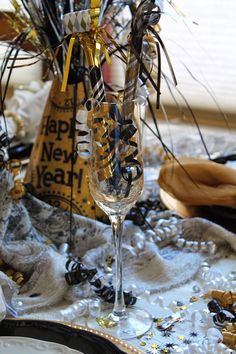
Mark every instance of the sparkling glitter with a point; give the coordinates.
(158, 320)
(193, 299)
(181, 308)
(106, 322)
(181, 337)
(149, 334)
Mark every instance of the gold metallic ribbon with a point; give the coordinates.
(93, 43)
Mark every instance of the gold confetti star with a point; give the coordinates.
(154, 346)
(193, 299)
(181, 337)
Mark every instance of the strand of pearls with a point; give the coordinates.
(165, 227)
(212, 279)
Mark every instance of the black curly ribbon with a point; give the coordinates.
(221, 314)
(141, 209)
(77, 273)
(4, 141)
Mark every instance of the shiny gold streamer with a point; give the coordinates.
(93, 43)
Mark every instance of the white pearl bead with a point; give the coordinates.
(195, 246)
(232, 275)
(158, 239)
(167, 231)
(213, 284)
(150, 233)
(160, 233)
(211, 247)
(221, 348)
(180, 242)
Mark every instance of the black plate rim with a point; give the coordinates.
(83, 330)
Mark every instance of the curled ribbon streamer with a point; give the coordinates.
(93, 43)
(93, 38)
(83, 137)
(144, 17)
(118, 148)
(77, 273)
(67, 65)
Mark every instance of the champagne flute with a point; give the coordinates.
(116, 182)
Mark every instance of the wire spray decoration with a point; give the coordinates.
(82, 26)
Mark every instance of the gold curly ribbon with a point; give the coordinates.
(13, 274)
(93, 42)
(18, 191)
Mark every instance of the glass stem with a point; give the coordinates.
(117, 227)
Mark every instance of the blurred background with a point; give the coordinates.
(202, 48)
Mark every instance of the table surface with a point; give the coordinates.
(193, 329)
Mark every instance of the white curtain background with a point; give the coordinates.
(204, 42)
(5, 5)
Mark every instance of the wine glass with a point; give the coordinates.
(116, 182)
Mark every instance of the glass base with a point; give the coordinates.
(137, 323)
